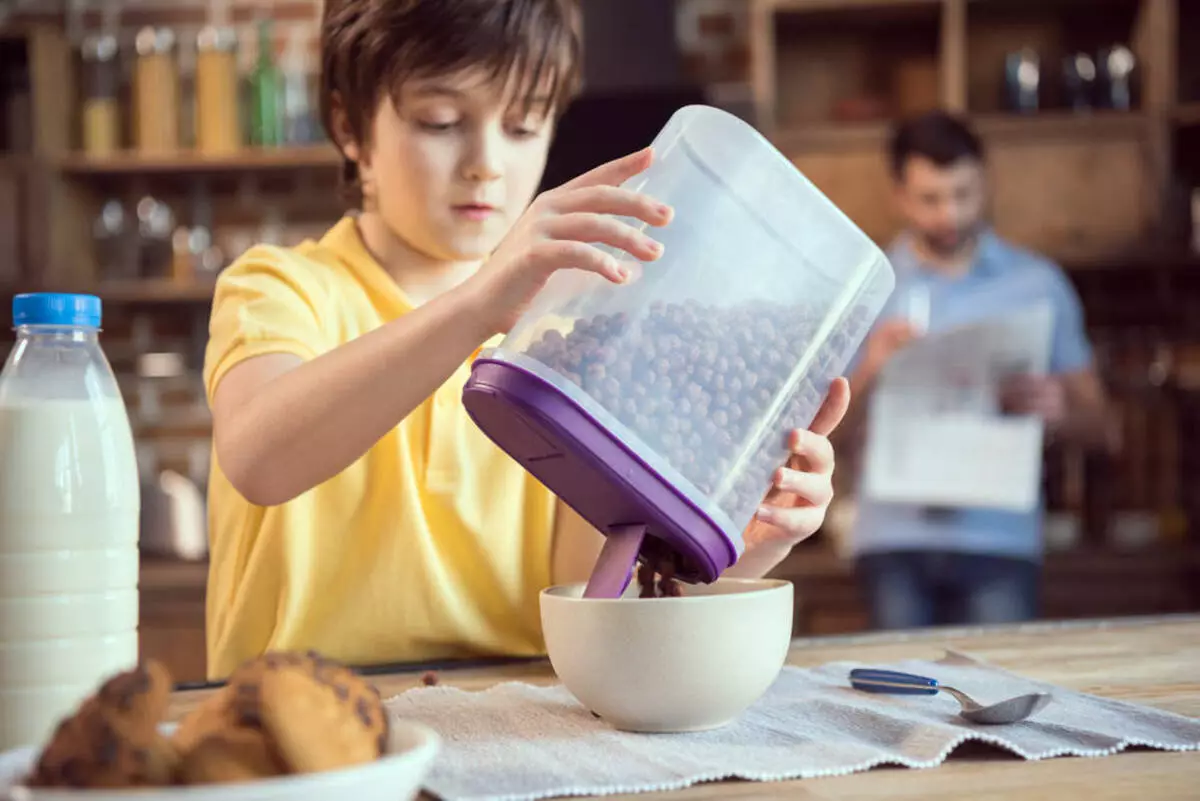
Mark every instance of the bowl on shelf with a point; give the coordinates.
(666, 664)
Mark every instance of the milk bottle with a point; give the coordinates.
(68, 518)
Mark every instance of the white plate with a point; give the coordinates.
(397, 776)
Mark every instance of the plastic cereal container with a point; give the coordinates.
(659, 409)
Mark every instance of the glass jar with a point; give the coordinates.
(156, 226)
(218, 129)
(68, 517)
(156, 92)
(110, 237)
(100, 115)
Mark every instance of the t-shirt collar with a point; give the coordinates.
(345, 241)
(986, 261)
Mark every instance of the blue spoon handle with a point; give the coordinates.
(891, 681)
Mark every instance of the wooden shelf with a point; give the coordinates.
(154, 291)
(1187, 114)
(150, 290)
(827, 137)
(1046, 124)
(17, 160)
(15, 31)
(801, 6)
(248, 160)
(832, 136)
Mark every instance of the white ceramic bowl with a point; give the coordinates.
(397, 776)
(670, 664)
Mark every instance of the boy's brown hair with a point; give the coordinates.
(369, 48)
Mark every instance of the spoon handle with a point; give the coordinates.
(891, 681)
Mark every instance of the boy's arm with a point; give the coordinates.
(282, 424)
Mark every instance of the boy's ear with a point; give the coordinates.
(342, 133)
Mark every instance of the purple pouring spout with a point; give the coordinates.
(598, 475)
(617, 560)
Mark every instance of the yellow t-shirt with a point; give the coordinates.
(433, 544)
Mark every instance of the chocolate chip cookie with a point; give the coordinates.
(227, 755)
(324, 721)
(112, 740)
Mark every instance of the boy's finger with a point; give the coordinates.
(603, 229)
(815, 448)
(615, 172)
(616, 201)
(830, 415)
(798, 520)
(553, 255)
(815, 488)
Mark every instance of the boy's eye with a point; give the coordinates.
(430, 125)
(524, 129)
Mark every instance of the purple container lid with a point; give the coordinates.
(591, 469)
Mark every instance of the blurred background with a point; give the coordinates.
(146, 143)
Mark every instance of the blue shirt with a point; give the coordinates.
(1001, 278)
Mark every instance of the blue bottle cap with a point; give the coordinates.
(56, 308)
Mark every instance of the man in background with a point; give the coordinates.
(924, 566)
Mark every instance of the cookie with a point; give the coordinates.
(236, 705)
(216, 713)
(112, 740)
(354, 692)
(139, 697)
(324, 722)
(251, 671)
(230, 755)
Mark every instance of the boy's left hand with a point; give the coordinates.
(795, 506)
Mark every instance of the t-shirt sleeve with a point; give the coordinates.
(1070, 350)
(264, 303)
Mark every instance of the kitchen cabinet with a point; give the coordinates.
(172, 616)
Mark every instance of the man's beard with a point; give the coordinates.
(948, 246)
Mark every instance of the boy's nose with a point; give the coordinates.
(483, 162)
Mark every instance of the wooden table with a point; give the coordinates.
(1152, 661)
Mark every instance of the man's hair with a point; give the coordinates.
(369, 48)
(937, 136)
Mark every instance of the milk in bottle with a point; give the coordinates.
(69, 509)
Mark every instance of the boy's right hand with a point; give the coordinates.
(559, 230)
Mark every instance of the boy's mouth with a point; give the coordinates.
(474, 211)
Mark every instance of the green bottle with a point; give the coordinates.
(267, 93)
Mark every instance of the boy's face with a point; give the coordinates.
(453, 164)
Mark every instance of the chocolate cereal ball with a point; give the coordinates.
(702, 384)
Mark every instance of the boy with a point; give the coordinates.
(354, 506)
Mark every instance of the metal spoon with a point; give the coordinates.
(893, 682)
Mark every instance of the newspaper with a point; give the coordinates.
(936, 433)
